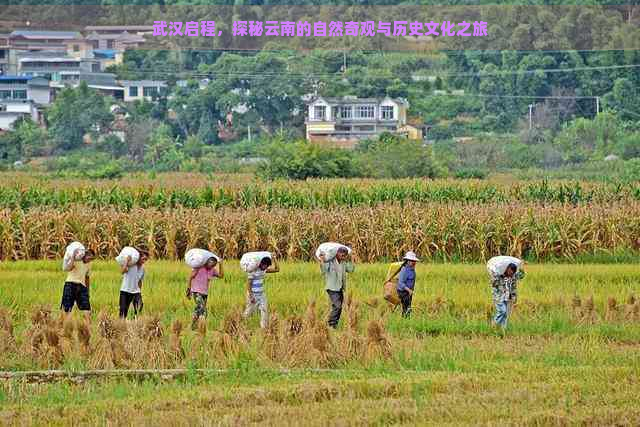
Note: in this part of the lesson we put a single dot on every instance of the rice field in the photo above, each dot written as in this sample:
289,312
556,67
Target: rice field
569,356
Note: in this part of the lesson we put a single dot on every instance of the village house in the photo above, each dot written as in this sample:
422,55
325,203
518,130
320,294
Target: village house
139,30
137,90
12,110
20,88
346,121
4,53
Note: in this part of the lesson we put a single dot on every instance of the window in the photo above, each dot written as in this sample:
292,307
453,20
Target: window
109,44
95,68
343,128
150,91
20,94
2,53
76,48
386,112
133,91
346,112
364,112
5,94
365,128
320,112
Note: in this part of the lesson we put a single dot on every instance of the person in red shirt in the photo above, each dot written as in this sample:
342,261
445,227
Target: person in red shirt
198,287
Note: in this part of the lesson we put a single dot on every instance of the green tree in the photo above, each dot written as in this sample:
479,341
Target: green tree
623,100
302,160
30,138
76,112
162,152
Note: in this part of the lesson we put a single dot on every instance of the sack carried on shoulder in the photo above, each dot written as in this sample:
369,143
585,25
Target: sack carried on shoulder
391,293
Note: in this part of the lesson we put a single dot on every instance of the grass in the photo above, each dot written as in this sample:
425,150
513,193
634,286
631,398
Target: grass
555,365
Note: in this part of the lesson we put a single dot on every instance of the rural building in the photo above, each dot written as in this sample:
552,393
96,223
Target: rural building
137,90
21,88
31,40
348,120
12,110
105,83
118,29
49,63
114,41
4,54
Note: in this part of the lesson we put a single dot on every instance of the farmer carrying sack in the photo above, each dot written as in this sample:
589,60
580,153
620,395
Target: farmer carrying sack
390,292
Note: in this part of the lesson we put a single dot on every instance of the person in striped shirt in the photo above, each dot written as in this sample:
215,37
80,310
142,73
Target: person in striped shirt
256,298
504,290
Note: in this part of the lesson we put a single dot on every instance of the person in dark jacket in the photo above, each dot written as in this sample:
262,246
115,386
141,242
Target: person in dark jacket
407,282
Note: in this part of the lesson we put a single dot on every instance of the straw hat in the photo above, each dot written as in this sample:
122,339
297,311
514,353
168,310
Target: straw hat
411,256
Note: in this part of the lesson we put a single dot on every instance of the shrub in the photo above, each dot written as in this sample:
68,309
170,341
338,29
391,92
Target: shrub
395,157
471,173
302,160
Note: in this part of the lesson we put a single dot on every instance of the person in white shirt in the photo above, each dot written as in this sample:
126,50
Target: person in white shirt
256,298
131,289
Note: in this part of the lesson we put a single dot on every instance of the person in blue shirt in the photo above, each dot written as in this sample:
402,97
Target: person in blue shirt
407,282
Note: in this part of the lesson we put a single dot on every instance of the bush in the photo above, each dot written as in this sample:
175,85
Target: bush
471,173
302,160
85,164
631,170
629,146
113,145
395,157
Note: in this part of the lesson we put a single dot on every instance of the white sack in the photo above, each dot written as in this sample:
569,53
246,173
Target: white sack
496,266
68,260
251,260
128,251
196,258
329,250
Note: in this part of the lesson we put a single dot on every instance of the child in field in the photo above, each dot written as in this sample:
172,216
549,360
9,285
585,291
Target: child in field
198,287
131,289
504,291
256,298
76,286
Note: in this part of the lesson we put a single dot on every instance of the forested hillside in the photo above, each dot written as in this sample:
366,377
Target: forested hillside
487,108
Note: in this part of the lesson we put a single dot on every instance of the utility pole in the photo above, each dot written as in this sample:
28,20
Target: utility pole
597,105
249,132
344,62
530,116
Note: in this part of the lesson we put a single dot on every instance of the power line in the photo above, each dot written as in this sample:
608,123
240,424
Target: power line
332,75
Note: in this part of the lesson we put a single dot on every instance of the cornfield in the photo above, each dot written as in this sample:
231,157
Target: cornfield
313,194
437,231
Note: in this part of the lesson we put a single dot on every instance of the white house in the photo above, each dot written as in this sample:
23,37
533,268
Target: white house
10,111
349,119
135,90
